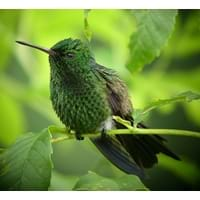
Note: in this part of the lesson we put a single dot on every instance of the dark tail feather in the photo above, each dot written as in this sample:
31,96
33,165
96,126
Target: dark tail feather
144,148
133,153
115,152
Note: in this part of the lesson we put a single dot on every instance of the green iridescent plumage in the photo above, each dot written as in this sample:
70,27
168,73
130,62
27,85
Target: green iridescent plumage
77,94
85,95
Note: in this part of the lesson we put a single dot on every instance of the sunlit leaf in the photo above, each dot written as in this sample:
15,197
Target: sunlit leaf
153,30
27,164
88,32
188,96
93,181
130,182
185,96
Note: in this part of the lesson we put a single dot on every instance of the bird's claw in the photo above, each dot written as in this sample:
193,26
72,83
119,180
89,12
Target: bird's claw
79,137
103,134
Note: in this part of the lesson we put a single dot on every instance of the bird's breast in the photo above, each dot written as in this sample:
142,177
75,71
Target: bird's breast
83,112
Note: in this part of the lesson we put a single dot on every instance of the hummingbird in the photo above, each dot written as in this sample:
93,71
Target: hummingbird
85,95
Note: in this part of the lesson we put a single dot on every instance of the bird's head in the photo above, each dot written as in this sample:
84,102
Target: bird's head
68,57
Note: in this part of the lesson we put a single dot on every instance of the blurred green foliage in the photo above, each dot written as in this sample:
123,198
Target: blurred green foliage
24,88
11,111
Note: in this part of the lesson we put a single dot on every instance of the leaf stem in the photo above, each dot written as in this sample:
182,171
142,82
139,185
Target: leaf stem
142,131
129,130
59,139
134,131
55,129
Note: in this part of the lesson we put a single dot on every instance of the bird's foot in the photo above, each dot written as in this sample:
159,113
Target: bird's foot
79,137
103,134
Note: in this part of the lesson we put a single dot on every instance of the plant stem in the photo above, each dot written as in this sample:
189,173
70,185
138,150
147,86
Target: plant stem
59,139
129,130
134,131
142,131
55,129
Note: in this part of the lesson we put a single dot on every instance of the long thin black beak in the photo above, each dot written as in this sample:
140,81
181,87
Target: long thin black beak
46,50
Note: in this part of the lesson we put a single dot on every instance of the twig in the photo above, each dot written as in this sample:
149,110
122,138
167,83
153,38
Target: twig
129,130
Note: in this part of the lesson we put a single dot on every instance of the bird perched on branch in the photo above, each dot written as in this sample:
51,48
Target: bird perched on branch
85,96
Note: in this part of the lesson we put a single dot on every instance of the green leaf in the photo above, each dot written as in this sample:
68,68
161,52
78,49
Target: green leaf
61,182
130,182
93,181
88,32
27,164
154,28
187,96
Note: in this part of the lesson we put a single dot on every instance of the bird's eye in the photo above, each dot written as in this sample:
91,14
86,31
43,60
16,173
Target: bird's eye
70,54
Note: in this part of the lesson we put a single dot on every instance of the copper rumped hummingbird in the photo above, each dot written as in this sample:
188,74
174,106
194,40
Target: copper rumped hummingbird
85,96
